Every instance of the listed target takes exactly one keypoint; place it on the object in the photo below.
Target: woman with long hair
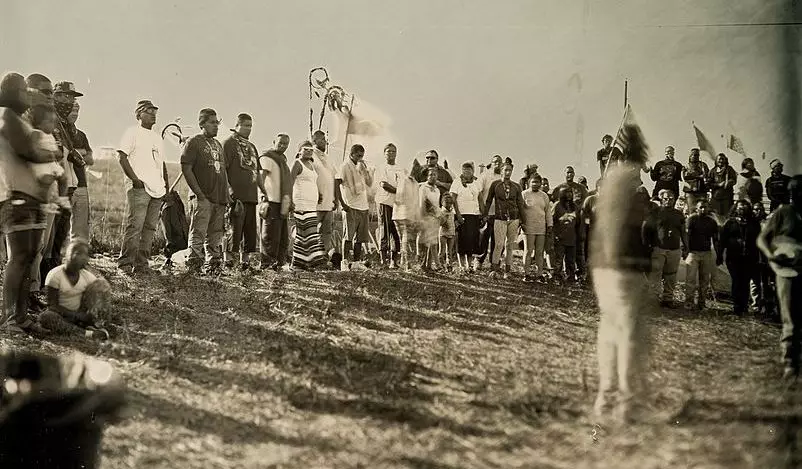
(307, 247)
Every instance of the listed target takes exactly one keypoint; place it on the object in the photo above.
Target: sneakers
(97, 333)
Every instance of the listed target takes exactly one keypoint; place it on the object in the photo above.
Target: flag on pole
(630, 141)
(359, 122)
(735, 144)
(704, 143)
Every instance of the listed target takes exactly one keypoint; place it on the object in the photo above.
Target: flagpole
(347, 125)
(626, 93)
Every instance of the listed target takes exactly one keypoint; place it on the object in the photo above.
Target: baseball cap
(143, 106)
(66, 87)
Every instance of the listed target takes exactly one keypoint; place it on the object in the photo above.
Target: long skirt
(468, 235)
(307, 248)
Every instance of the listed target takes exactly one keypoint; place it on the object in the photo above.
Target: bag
(175, 226)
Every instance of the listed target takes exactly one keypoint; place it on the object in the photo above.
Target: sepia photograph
(419, 234)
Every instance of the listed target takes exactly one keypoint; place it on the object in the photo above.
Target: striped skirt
(307, 248)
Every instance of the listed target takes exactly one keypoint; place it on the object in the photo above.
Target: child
(77, 299)
(43, 119)
(429, 209)
(447, 231)
(566, 233)
(702, 236)
(537, 220)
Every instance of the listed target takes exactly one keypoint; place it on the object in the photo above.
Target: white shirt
(355, 197)
(326, 171)
(390, 174)
(69, 295)
(272, 179)
(145, 151)
(304, 190)
(486, 179)
(467, 196)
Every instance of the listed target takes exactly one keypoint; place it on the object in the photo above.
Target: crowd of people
(243, 201)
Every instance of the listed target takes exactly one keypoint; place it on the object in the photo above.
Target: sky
(540, 81)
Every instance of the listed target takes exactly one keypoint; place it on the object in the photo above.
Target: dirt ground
(378, 369)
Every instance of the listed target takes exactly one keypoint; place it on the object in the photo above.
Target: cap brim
(74, 94)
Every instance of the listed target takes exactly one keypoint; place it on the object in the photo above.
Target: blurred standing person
(406, 214)
(429, 207)
(587, 218)
(487, 239)
(277, 192)
(738, 248)
(79, 223)
(703, 232)
(750, 188)
(695, 177)
(388, 176)
(141, 157)
(537, 220)
(326, 174)
(669, 240)
(204, 167)
(243, 181)
(777, 185)
(506, 195)
(354, 182)
(565, 215)
(468, 204)
(721, 181)
(762, 286)
(666, 174)
(307, 249)
(781, 243)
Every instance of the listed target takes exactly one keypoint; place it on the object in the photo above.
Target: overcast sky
(540, 81)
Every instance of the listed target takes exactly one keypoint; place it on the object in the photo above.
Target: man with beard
(204, 168)
(721, 181)
(79, 222)
(277, 190)
(243, 178)
(695, 177)
(141, 157)
(666, 174)
(326, 173)
(607, 153)
(488, 238)
(777, 185)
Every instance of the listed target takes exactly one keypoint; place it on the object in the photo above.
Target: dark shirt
(81, 143)
(702, 230)
(566, 225)
(777, 190)
(617, 239)
(666, 174)
(442, 176)
(603, 156)
(205, 156)
(695, 178)
(667, 224)
(579, 192)
(508, 197)
(751, 189)
(738, 240)
(721, 182)
(241, 168)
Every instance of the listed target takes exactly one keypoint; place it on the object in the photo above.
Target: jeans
(79, 222)
(487, 239)
(665, 263)
(534, 244)
(789, 295)
(388, 231)
(565, 255)
(274, 236)
(325, 228)
(241, 233)
(504, 232)
(206, 230)
(699, 273)
(140, 226)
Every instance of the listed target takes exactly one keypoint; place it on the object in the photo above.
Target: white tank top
(304, 191)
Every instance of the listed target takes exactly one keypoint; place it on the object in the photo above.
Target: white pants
(625, 302)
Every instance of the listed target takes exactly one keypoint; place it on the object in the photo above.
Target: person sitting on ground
(447, 232)
(77, 299)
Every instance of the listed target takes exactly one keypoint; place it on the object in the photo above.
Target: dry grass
(381, 369)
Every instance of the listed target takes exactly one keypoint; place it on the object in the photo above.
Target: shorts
(22, 212)
(357, 226)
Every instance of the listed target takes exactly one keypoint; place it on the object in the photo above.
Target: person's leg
(148, 231)
(56, 323)
(395, 248)
(706, 266)
(633, 342)
(324, 229)
(23, 246)
(656, 274)
(790, 305)
(273, 231)
(138, 201)
(499, 238)
(38, 268)
(570, 263)
(670, 268)
(691, 278)
(385, 222)
(232, 239)
(79, 222)
(200, 212)
(402, 230)
(214, 236)
(248, 233)
(484, 242)
(529, 251)
(580, 257)
(610, 307)
(284, 247)
(557, 261)
(61, 234)
(510, 235)
(540, 243)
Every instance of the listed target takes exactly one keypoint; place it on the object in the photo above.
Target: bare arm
(192, 182)
(52, 302)
(388, 187)
(338, 195)
(128, 170)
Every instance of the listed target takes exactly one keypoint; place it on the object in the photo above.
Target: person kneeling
(77, 299)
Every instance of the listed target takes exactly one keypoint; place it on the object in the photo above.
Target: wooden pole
(347, 125)
(626, 93)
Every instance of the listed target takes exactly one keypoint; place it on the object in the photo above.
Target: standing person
(721, 181)
(429, 207)
(468, 204)
(79, 222)
(204, 169)
(548, 250)
(580, 193)
(448, 231)
(508, 200)
(777, 185)
(607, 153)
(762, 287)
(738, 248)
(307, 249)
(750, 187)
(243, 182)
(565, 216)
(666, 174)
(537, 220)
(276, 186)
(326, 174)
(487, 239)
(388, 176)
(620, 262)
(354, 182)
(406, 214)
(444, 178)
(587, 215)
(781, 243)
(529, 171)
(669, 239)
(141, 157)
(695, 177)
(703, 234)
(23, 199)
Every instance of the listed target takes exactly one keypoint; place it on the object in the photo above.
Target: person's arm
(188, 157)
(338, 195)
(457, 213)
(52, 302)
(483, 208)
(260, 176)
(721, 246)
(715, 237)
(765, 238)
(128, 170)
(14, 130)
(295, 171)
(732, 177)
(683, 236)
(489, 200)
(386, 185)
(548, 214)
(654, 172)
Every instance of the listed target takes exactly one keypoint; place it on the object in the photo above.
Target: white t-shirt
(355, 197)
(145, 151)
(467, 196)
(272, 178)
(390, 174)
(304, 190)
(69, 295)
(326, 172)
(486, 179)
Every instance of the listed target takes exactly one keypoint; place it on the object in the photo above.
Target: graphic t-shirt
(205, 155)
(241, 156)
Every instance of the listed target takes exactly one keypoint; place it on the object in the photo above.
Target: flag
(735, 144)
(704, 143)
(359, 122)
(629, 140)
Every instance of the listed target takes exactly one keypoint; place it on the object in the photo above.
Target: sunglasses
(46, 92)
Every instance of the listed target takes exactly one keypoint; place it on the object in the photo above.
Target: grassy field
(382, 369)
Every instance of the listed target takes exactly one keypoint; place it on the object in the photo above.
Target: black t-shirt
(241, 157)
(701, 229)
(666, 175)
(80, 142)
(205, 155)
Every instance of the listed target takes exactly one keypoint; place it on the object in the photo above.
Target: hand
(460, 220)
(138, 184)
(200, 197)
(346, 208)
(76, 158)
